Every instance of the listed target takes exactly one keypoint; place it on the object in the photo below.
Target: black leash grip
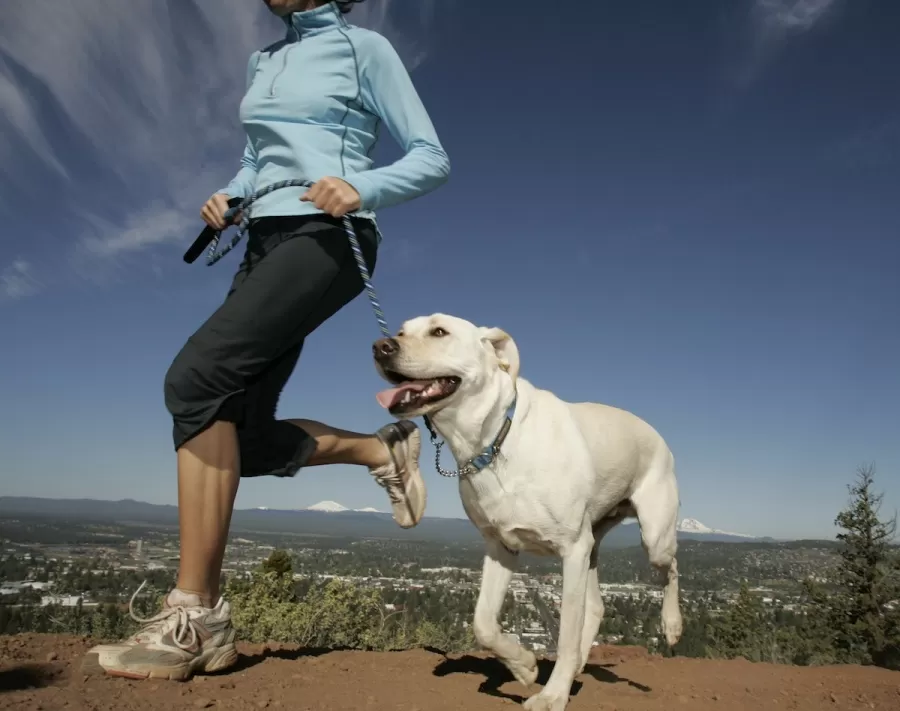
(205, 237)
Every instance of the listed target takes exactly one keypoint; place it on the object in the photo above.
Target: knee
(194, 380)
(177, 385)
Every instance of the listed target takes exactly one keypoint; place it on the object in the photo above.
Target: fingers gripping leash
(210, 236)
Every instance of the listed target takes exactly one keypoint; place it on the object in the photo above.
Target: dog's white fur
(567, 474)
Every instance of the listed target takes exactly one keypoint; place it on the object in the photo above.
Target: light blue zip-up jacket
(313, 108)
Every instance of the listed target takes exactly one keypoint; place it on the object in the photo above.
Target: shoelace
(149, 624)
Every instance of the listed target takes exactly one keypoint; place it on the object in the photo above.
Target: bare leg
(334, 446)
(391, 455)
(208, 477)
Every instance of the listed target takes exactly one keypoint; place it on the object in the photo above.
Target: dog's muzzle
(385, 348)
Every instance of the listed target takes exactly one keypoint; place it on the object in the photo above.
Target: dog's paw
(546, 702)
(672, 629)
(525, 668)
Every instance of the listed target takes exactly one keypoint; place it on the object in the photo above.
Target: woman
(312, 109)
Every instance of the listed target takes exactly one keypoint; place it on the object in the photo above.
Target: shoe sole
(221, 659)
(413, 446)
(405, 434)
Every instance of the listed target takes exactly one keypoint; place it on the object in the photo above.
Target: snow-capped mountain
(692, 529)
(692, 525)
(328, 507)
(335, 507)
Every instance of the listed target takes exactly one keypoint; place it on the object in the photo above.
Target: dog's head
(437, 360)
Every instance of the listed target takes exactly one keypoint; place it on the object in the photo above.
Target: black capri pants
(297, 272)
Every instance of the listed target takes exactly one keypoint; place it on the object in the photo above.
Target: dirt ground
(44, 672)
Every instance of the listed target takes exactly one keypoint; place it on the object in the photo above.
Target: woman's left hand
(334, 196)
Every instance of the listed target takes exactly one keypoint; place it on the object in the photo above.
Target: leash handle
(210, 233)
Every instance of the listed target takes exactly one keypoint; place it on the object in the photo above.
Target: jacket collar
(309, 22)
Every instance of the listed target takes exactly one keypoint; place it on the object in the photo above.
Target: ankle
(334, 446)
(184, 594)
(377, 455)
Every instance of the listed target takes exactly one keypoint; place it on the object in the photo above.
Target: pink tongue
(391, 397)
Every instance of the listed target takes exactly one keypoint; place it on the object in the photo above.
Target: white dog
(562, 476)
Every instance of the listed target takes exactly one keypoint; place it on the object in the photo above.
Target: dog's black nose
(385, 347)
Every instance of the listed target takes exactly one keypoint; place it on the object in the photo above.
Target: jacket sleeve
(387, 91)
(242, 184)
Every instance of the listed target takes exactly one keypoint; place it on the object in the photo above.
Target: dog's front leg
(499, 566)
(576, 562)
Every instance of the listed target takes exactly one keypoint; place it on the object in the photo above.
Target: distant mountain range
(327, 518)
(327, 507)
(689, 526)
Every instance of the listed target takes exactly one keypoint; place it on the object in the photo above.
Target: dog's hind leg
(656, 504)
(497, 572)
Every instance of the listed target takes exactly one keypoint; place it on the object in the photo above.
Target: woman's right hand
(214, 209)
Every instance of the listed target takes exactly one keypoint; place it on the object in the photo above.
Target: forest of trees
(852, 617)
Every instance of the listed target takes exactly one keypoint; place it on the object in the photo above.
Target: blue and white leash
(213, 256)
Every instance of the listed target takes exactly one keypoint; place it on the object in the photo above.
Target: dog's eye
(438, 332)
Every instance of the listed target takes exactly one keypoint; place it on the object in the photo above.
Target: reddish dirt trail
(42, 672)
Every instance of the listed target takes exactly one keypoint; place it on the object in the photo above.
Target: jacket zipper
(280, 71)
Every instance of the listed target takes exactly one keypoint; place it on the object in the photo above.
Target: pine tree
(863, 614)
(694, 640)
(742, 631)
(280, 563)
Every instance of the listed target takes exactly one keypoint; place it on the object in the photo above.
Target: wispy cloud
(20, 113)
(772, 24)
(132, 106)
(793, 15)
(149, 226)
(18, 281)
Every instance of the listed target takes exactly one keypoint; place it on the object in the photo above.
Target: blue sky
(688, 210)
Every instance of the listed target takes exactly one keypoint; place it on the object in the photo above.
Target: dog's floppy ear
(505, 348)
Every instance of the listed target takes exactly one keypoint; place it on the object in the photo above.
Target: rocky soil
(43, 672)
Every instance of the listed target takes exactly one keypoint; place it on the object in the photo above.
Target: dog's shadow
(27, 676)
(496, 675)
(247, 661)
